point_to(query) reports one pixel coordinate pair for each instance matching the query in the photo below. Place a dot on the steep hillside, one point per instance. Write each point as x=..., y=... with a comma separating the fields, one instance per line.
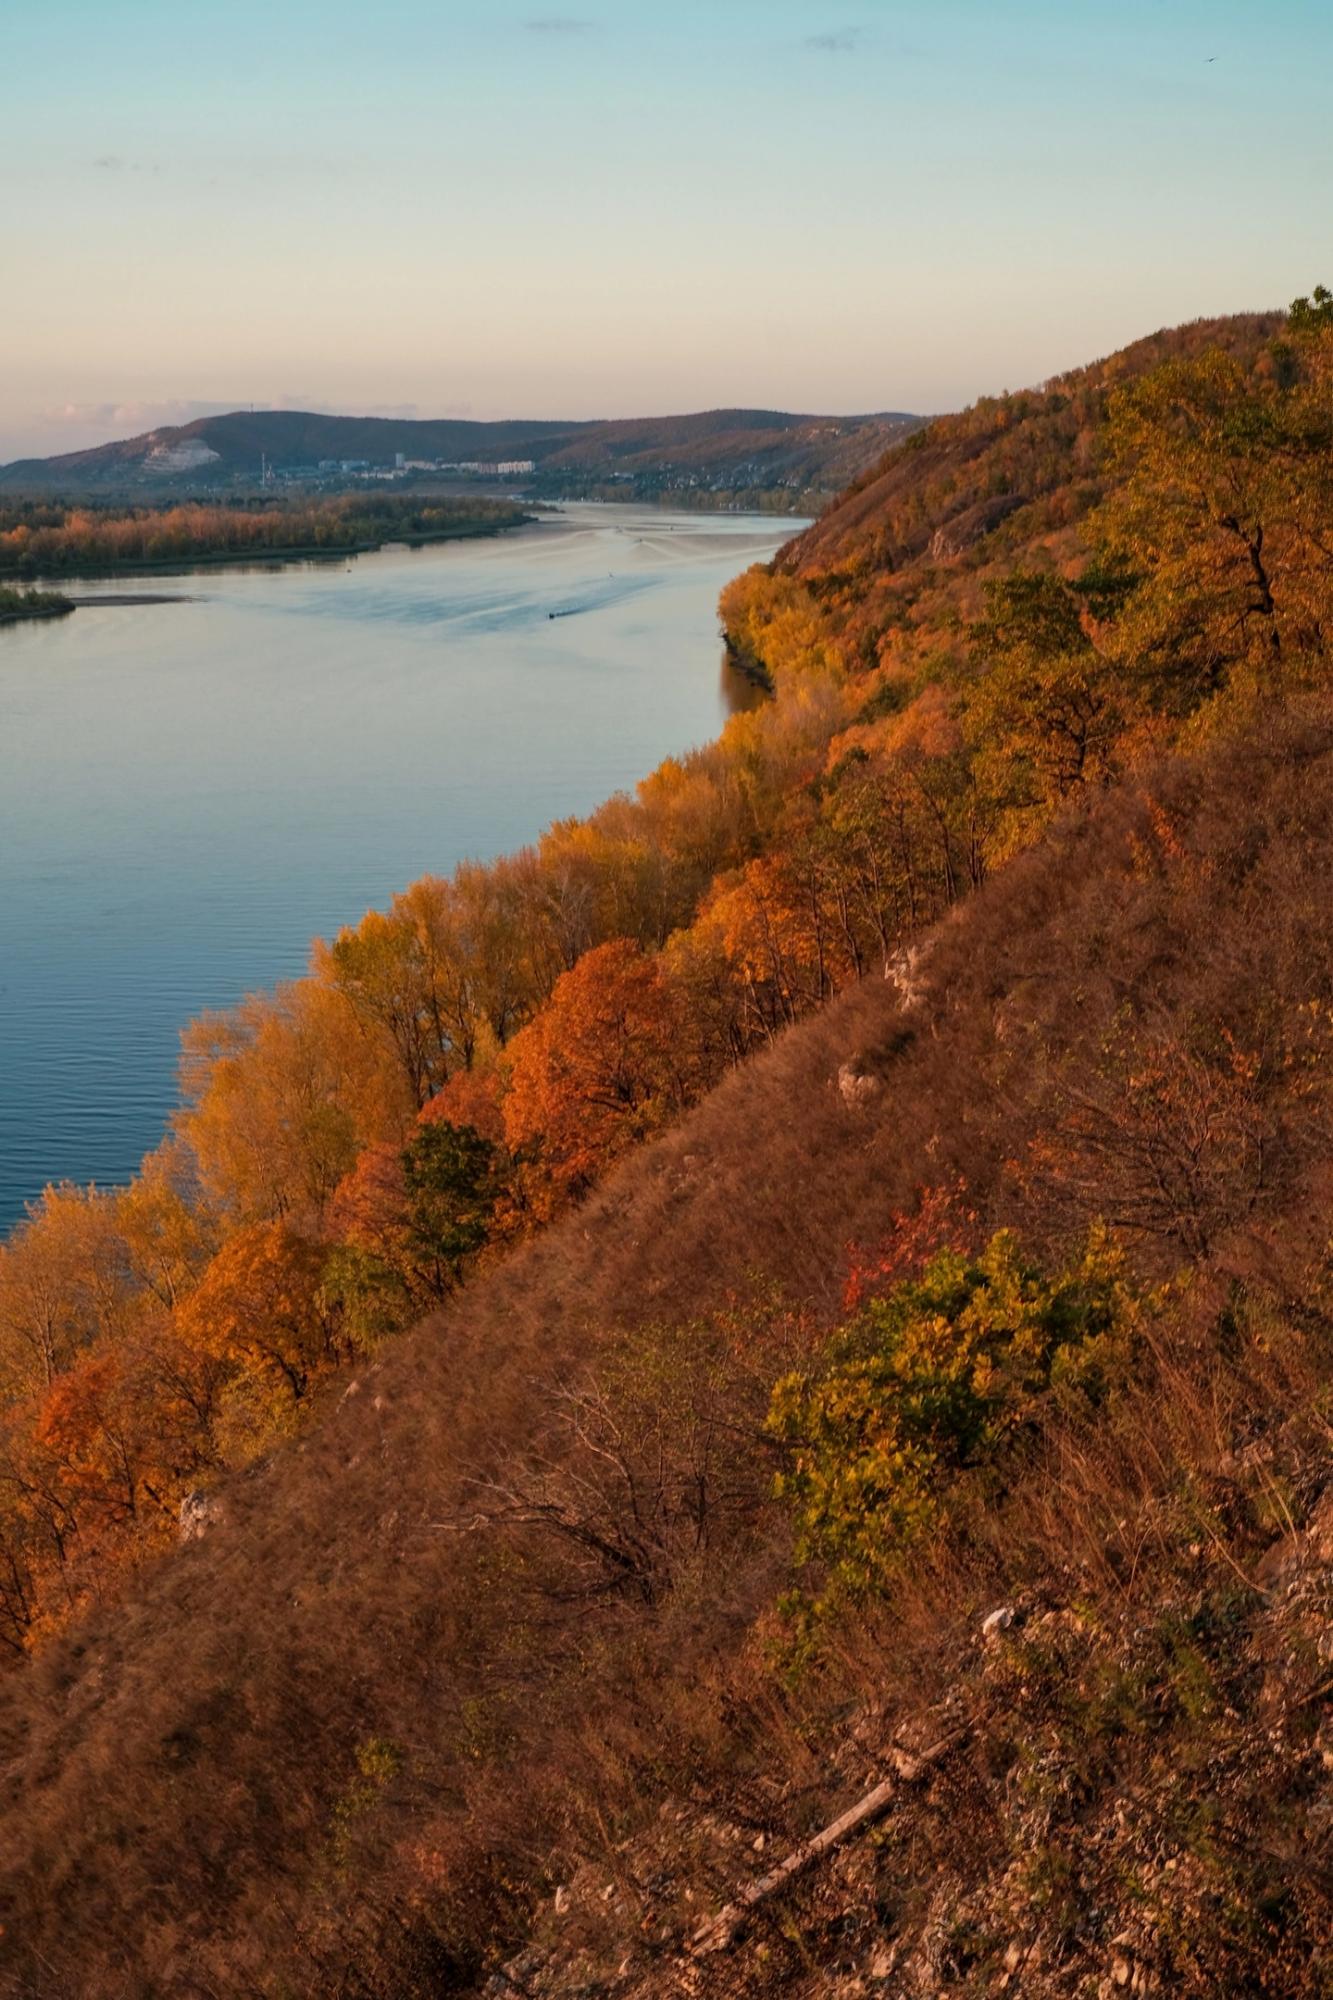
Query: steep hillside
x=516, y=1593
x=1009, y=473
x=807, y=1292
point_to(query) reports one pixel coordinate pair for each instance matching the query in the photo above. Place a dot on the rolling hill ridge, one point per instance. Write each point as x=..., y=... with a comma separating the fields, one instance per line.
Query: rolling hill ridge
x=717, y=450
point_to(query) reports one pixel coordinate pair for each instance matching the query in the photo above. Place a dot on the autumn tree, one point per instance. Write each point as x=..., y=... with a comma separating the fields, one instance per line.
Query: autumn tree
x=110, y=1456
x=1313, y=314
x=1223, y=490
x=444, y=973
x=409, y=1218
x=279, y=1093
x=166, y=1234
x=262, y=1306
x=63, y=1285
x=596, y=1070
x=1046, y=709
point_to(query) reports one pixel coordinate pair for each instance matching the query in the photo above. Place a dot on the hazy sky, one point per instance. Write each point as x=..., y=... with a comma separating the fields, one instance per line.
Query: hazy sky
x=492, y=209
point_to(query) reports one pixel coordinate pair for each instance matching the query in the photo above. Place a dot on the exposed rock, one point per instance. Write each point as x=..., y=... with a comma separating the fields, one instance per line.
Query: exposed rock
x=1323, y=1744
x=1019, y=1961
x=858, y=1085
x=997, y=1621
x=971, y=524
x=179, y=455
x=197, y=1513
x=904, y=970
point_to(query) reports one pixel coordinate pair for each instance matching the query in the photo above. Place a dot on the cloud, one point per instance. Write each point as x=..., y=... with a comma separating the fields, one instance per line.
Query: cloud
x=210, y=168
x=129, y=417
x=116, y=163
x=76, y=426
x=836, y=41
x=559, y=24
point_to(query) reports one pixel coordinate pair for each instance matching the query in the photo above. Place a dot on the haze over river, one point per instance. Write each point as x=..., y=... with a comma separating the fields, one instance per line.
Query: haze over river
x=191, y=791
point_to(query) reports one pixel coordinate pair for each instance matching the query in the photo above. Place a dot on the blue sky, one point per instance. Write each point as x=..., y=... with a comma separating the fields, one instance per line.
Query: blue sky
x=576, y=209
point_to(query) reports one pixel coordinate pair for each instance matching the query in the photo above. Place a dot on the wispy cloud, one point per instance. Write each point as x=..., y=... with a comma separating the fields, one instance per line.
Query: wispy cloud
x=123, y=418
x=116, y=163
x=559, y=24
x=836, y=41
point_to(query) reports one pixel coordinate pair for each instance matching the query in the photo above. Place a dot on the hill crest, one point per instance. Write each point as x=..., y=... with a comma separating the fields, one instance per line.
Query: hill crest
x=752, y=448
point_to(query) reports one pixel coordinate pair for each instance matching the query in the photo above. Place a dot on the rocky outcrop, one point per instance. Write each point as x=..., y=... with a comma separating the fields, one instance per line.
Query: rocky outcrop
x=197, y=1513
x=858, y=1086
x=967, y=528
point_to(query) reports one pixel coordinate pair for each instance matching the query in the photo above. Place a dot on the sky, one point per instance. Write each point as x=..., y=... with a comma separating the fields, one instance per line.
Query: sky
x=568, y=208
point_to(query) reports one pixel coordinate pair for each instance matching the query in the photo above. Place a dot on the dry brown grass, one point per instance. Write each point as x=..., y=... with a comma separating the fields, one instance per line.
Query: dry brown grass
x=339, y=1745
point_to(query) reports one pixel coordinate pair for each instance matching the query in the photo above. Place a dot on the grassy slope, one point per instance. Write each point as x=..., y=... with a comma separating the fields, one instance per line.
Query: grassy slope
x=334, y=1609
x=340, y=1745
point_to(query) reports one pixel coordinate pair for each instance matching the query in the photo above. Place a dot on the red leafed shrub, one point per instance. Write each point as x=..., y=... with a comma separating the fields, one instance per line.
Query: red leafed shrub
x=941, y=1221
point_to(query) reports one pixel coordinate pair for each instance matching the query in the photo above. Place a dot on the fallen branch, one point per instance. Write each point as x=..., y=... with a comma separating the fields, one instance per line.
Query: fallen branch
x=723, y=1930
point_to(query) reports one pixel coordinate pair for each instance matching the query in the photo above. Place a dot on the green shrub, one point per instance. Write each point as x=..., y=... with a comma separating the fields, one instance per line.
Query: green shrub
x=932, y=1380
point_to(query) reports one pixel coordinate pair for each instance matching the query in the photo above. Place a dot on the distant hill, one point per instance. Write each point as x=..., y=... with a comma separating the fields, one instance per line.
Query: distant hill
x=718, y=452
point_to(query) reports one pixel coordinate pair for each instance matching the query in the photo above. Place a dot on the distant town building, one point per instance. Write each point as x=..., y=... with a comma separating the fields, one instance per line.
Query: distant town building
x=504, y=468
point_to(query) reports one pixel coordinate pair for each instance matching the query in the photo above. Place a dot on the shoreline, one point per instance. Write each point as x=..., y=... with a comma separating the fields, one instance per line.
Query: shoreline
x=45, y=611
x=747, y=664
x=265, y=558
x=130, y=598
x=40, y=606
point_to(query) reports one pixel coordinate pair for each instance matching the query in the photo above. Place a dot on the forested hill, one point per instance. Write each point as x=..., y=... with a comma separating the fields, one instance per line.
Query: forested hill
x=1009, y=474
x=802, y=1301
x=717, y=452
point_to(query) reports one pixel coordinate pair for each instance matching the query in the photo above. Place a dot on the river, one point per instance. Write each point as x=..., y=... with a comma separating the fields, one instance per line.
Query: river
x=191, y=790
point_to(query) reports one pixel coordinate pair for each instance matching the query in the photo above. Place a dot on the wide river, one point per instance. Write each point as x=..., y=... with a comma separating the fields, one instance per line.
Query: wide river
x=190, y=791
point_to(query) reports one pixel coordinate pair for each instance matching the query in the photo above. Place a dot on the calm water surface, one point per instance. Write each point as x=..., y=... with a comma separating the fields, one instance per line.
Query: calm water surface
x=190, y=791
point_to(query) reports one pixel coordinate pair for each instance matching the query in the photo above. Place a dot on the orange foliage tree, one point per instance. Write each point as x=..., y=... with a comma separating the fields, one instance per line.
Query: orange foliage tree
x=262, y=1306
x=595, y=1071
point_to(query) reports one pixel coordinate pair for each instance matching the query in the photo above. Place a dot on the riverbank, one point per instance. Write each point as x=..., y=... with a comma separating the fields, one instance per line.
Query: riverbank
x=746, y=663
x=281, y=558
x=107, y=544
x=128, y=599
x=205, y=786
x=17, y=606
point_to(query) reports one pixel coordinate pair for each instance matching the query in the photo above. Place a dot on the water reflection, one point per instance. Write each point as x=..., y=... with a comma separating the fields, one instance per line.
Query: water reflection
x=740, y=692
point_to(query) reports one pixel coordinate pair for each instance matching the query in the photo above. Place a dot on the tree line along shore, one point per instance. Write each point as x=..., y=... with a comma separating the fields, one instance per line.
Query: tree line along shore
x=40, y=539
x=18, y=605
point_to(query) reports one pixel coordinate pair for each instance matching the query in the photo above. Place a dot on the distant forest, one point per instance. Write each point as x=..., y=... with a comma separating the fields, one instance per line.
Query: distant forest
x=17, y=604
x=40, y=538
